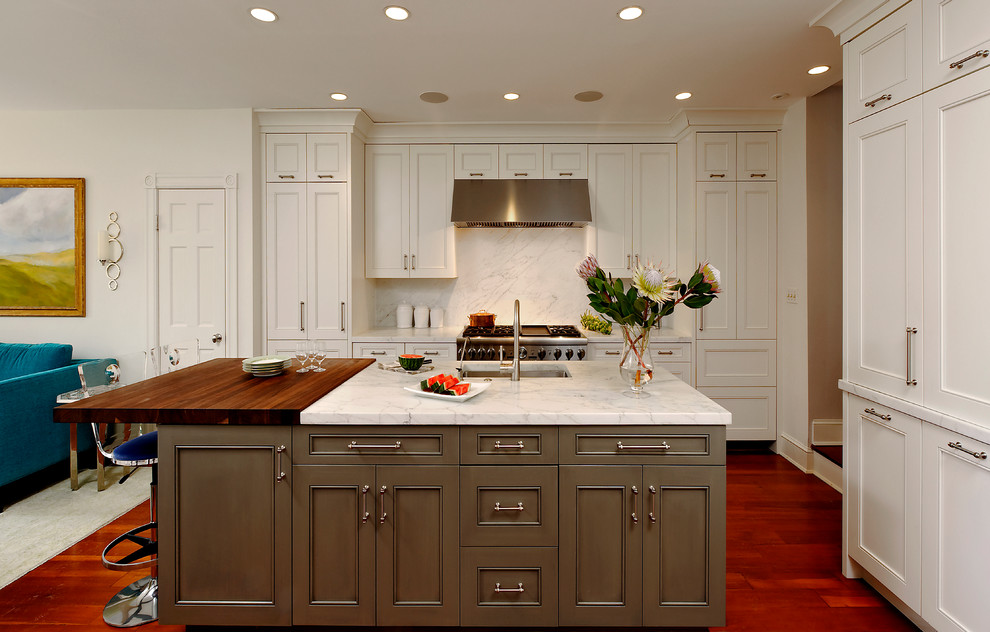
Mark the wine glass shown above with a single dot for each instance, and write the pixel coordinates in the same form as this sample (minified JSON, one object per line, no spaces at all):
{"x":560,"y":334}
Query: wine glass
{"x":302,"y":352}
{"x":320,"y":354}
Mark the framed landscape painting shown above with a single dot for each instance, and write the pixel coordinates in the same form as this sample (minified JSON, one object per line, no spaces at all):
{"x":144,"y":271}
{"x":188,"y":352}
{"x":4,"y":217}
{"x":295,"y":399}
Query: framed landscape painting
{"x":42,"y":243}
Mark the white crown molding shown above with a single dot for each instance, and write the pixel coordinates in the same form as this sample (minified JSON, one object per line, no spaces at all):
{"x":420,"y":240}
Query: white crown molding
{"x":843,"y":15}
{"x":312,"y":120}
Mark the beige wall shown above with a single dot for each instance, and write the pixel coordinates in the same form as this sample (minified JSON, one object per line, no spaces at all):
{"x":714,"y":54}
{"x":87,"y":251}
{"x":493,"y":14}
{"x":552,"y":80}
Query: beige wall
{"x":824,"y":150}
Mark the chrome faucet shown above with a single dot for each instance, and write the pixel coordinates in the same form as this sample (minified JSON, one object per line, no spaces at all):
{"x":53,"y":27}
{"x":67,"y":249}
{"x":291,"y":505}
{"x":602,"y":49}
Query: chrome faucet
{"x":515,"y":342}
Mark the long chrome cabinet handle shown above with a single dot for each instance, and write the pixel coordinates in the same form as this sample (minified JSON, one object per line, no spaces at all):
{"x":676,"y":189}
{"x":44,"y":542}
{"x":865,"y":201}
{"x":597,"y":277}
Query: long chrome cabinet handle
{"x":364,"y":503}
{"x":979,"y":53}
{"x":281,"y":473}
{"x":909,"y":379}
{"x":381,"y":492}
{"x":635,"y":493}
{"x":405,"y":262}
{"x":663,"y":446}
{"x":343,"y":315}
{"x":414,"y":262}
{"x":653,"y":504}
{"x":354,"y":445}
{"x":882,"y":97}
{"x":498,"y":588}
{"x":302,"y":310}
{"x":959,"y":446}
{"x":499,"y":507}
{"x":870,"y":411}
{"x":515,"y":446}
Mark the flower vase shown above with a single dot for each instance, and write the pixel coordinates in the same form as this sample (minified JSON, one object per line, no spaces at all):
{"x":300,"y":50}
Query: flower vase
{"x":635,"y":363}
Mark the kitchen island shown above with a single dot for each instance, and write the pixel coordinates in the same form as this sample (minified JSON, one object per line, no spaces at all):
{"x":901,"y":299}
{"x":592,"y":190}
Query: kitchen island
{"x":544,"y":502}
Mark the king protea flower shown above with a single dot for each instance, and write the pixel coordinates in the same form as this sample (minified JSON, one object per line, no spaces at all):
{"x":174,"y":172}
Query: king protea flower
{"x":653,"y":283}
{"x":711,"y":276}
{"x":588,"y":268}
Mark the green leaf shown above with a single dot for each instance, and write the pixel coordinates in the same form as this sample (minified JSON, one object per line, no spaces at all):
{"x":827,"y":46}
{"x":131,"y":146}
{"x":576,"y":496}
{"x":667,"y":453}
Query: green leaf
{"x":695,"y":302}
{"x":695,"y":279}
{"x":619,"y":289}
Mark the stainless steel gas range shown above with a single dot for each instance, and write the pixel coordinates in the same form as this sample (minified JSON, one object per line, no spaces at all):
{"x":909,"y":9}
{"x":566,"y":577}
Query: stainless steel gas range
{"x":536,"y":342}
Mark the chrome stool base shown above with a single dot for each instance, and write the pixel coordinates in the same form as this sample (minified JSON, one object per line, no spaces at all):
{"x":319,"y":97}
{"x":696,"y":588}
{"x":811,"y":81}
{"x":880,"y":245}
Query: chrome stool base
{"x":135,"y":605}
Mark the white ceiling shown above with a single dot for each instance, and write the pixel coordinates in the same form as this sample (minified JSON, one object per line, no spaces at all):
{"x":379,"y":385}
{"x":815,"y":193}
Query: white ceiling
{"x":123,"y":54}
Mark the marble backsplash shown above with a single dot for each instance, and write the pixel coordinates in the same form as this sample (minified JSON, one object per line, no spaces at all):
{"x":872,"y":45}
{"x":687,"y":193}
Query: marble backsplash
{"x":495,"y":266}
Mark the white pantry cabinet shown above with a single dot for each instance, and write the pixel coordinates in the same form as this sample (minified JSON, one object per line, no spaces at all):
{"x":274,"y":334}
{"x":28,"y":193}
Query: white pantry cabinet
{"x":884,"y":299}
{"x":408,"y":194}
{"x":956,"y":39}
{"x":306,"y":157}
{"x":884,"y":496}
{"x":306,"y":260}
{"x":633,"y":192}
{"x":956,"y":521}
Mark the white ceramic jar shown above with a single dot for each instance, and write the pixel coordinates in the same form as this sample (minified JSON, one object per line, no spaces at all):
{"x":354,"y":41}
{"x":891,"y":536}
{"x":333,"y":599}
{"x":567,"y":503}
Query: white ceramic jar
{"x":436,"y":317}
{"x":422,"y":316}
{"x":404,"y":316}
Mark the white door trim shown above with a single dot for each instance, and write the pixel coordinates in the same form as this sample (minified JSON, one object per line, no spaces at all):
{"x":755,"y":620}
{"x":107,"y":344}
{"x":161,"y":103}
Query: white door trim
{"x":155,"y":182}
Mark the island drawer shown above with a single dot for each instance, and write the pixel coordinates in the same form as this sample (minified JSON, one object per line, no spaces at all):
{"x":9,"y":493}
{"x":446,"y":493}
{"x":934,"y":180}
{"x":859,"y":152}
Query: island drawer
{"x":508,"y":506}
{"x":313,"y":445}
{"x":509,"y":586}
{"x":494,"y":446}
{"x":674,"y":445}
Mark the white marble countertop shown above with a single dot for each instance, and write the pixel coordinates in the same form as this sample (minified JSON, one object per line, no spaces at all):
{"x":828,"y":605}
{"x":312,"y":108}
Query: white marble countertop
{"x":591,"y":396}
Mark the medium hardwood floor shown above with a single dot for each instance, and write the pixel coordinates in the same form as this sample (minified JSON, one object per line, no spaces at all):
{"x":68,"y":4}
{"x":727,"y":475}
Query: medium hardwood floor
{"x":783,"y":565}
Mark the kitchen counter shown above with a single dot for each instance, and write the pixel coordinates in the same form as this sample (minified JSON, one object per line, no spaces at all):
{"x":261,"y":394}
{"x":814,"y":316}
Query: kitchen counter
{"x":593,"y":395}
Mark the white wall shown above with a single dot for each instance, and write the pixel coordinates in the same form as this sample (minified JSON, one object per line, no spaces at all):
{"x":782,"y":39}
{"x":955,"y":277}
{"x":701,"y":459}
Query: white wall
{"x":113,"y":151}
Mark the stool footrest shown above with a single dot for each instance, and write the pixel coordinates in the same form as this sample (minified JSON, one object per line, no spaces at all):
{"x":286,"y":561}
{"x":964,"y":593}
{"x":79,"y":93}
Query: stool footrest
{"x":147,"y":547}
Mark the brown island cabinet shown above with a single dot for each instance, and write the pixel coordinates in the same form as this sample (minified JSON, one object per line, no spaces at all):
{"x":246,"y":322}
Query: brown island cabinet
{"x":404,"y":511}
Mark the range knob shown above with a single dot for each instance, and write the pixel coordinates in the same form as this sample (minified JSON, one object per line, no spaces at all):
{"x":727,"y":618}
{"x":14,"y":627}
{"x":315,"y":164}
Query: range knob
{"x":580,"y":354}
{"x":490,"y":353}
{"x":542,"y":353}
{"x":471,"y":352}
{"x":570,"y":354}
{"x":556,"y":354}
{"x":523,"y":353}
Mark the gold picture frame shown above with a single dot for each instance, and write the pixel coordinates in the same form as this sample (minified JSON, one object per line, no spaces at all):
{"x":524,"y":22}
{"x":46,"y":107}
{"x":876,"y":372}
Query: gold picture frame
{"x":42,"y":246}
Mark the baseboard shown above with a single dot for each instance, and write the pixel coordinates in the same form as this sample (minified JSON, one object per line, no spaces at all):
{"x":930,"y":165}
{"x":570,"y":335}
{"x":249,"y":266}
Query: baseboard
{"x":826,"y":432}
{"x":827,"y":471}
{"x":897,"y":603}
{"x":799,"y":455}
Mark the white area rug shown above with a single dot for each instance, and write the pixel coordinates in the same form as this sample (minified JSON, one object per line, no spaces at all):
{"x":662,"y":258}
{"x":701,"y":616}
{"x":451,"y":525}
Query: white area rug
{"x":41,"y":526}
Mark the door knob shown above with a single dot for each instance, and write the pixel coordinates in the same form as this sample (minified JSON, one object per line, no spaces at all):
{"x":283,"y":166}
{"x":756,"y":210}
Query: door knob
{"x":217,"y":338}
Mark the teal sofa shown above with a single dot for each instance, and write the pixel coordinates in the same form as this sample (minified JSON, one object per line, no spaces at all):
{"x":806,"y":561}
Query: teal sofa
{"x":31,"y":377}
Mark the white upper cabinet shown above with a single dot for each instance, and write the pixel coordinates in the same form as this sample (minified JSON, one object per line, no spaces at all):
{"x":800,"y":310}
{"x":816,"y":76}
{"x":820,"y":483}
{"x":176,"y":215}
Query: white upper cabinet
{"x":716,"y":157}
{"x":956,"y":39}
{"x":408,"y":197}
{"x":716,"y":235}
{"x":884,"y":63}
{"x":520,"y":162}
{"x":565,"y":161}
{"x":326,"y":157}
{"x":475,"y":162}
{"x":285,"y":157}
{"x":883,"y":295}
{"x":610,"y":184}
{"x":756,"y":156}
{"x":956,"y":256}
{"x":654,"y":199}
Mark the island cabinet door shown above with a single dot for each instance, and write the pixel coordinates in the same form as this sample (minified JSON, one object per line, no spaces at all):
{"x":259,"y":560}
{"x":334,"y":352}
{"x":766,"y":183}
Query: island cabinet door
{"x":417,"y":545}
{"x":601,"y":545}
{"x":683,"y":546}
{"x":333,"y":545}
{"x":224,"y":536}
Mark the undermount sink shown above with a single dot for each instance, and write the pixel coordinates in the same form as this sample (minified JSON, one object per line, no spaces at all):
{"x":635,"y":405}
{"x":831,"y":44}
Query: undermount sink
{"x":526,"y":370}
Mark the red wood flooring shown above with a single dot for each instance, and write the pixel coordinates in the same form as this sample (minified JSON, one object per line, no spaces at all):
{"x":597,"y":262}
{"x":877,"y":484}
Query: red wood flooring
{"x":783,"y":565}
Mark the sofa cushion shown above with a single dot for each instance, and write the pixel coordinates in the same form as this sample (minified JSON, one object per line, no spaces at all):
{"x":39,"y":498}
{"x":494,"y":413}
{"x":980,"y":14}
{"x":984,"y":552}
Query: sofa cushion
{"x":23,"y":359}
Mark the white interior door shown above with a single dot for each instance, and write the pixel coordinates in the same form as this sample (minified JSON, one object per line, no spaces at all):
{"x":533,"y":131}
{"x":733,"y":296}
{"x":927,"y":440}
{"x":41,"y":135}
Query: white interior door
{"x":192,"y":288}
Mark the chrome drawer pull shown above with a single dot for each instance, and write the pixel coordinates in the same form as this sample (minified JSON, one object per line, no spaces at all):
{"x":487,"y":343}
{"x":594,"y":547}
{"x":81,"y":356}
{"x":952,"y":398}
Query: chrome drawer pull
{"x":882,"y":97}
{"x":515,"y":446}
{"x":612,"y":352}
{"x":381,"y":519}
{"x":664,"y":352}
{"x":635,"y":492}
{"x":498,"y":588}
{"x":378,"y":352}
{"x":364,"y":503}
{"x":653,"y":504}
{"x":909,"y":378}
{"x":663,"y":446}
{"x":431,"y":353}
{"x":870,"y":411}
{"x":353,"y":445}
{"x":979,"y":53}
{"x":281,"y":473}
{"x":518,"y":507}
{"x":959,"y":446}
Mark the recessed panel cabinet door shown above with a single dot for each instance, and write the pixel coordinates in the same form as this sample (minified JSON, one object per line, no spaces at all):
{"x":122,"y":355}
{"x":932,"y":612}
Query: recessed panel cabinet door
{"x":717,"y":244}
{"x":601,"y":545}
{"x":654,"y":231}
{"x":327,"y":252}
{"x":610,"y":184}
{"x":956,"y":39}
{"x":431,"y":192}
{"x":387,"y":211}
{"x":756,"y":260}
{"x":418,"y":545}
{"x":286,"y":261}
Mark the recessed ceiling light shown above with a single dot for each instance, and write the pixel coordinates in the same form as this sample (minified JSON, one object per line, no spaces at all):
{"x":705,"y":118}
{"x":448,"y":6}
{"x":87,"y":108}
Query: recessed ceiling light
{"x":397,"y":13}
{"x":510,"y":96}
{"x":263,"y":14}
{"x":683,"y":95}
{"x":780,"y":95}
{"x":338,"y":96}
{"x":630,"y":13}
{"x":588,"y":96}
{"x":433,"y":97}
{"x":817,"y":70}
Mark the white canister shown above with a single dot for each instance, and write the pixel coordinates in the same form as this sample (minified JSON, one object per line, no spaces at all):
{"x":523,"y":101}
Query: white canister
{"x":422,"y":316}
{"x":436,"y":317}
{"x":404,"y":316}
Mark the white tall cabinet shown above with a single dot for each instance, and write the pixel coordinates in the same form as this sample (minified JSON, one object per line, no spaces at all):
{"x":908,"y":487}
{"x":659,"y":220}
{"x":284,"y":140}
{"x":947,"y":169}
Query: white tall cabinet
{"x":736,"y":204}
{"x":917,"y":423}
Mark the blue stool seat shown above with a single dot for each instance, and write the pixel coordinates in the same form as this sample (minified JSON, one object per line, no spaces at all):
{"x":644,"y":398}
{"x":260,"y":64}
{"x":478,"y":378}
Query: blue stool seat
{"x":142,"y":450}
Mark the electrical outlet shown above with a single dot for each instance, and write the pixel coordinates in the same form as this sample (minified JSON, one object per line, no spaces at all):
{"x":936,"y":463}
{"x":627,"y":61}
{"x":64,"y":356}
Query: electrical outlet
{"x":792,"y":295}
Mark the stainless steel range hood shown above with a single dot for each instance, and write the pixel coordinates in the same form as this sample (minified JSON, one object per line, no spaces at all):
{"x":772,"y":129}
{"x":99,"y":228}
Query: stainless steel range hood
{"x":520,"y":203}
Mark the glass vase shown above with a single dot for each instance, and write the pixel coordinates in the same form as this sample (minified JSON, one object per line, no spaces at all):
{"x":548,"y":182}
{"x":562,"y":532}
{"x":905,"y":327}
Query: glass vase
{"x":635,"y":363}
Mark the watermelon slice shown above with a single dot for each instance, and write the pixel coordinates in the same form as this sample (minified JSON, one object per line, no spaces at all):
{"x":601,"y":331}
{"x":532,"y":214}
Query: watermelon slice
{"x":461,"y":388}
{"x":449,"y":382}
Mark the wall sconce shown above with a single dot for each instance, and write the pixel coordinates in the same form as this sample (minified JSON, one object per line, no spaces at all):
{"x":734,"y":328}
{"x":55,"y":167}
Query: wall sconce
{"x":111,"y":250}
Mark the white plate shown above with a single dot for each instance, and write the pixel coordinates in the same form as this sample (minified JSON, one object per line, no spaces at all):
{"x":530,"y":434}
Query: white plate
{"x":264,"y":362}
{"x":476,"y":389}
